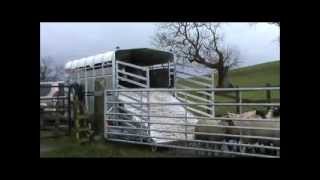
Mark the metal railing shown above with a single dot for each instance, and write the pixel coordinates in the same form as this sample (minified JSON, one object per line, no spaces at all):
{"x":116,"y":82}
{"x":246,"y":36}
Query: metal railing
{"x":170,"y":122}
{"x":122,"y":74}
{"x":187,"y":80}
{"x":142,"y":79}
{"x":55,"y":111}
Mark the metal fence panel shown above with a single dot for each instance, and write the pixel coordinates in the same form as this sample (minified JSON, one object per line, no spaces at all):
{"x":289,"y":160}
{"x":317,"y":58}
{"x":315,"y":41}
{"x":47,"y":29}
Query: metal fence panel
{"x":168,"y":122}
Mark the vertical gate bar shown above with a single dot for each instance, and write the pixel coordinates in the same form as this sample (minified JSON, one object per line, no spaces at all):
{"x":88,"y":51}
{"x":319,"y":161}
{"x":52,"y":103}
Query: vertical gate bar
{"x":148,"y":77}
{"x":169,"y":83}
{"x":86,"y":87}
{"x":174,"y":77}
{"x":114,"y":107}
{"x":93,"y":90}
{"x":240,"y":101}
{"x":116,"y":76}
{"x":212,"y":94}
{"x":116,"y":82}
{"x":148,"y":100}
{"x":141,"y":119}
{"x":94,"y":71}
{"x":114,"y":73}
{"x":185,"y":122}
{"x":153,"y":148}
{"x":105,"y":123}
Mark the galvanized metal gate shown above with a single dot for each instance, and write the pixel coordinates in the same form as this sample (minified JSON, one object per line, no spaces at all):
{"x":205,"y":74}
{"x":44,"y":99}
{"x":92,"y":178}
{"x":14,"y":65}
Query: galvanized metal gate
{"x":170,"y":123}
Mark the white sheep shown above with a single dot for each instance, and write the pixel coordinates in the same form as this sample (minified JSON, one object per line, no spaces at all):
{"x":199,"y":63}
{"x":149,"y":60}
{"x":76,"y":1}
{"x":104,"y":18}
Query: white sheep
{"x":256,"y":132}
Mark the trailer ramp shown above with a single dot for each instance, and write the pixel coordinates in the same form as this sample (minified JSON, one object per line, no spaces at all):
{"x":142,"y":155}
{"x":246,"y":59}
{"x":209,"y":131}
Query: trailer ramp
{"x":160,"y":115}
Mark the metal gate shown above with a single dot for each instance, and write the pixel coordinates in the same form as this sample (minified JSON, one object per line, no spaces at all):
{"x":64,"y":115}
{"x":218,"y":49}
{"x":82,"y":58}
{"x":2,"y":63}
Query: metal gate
{"x":55,"y":107}
{"x":161,"y":118}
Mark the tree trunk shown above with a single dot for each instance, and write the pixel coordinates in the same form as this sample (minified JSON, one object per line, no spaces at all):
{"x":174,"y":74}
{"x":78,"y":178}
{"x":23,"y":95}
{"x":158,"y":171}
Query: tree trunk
{"x":221,"y":75}
{"x":220,"y":78}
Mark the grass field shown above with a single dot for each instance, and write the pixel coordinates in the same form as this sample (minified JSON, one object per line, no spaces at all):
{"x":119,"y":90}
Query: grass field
{"x":68,"y":147}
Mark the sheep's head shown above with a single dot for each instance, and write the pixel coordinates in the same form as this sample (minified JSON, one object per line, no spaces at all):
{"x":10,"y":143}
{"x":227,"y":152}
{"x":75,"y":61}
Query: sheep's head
{"x":273,"y":112}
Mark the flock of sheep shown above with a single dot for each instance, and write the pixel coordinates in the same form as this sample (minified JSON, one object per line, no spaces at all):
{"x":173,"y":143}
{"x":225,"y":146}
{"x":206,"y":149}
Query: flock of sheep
{"x":260,"y":133}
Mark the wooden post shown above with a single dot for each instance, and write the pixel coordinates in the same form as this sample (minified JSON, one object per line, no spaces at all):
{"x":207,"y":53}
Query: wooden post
{"x":209,"y":98}
{"x":238,"y":100}
{"x":268,"y":93}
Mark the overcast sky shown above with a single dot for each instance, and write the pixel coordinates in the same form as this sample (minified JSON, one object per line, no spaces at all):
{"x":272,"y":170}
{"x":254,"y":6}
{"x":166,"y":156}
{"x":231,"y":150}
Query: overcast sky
{"x":67,"y":41}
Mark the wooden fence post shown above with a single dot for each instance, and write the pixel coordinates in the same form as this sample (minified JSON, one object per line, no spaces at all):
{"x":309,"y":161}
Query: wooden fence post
{"x":268,"y":93}
{"x":238,"y":100}
{"x":209,"y":110}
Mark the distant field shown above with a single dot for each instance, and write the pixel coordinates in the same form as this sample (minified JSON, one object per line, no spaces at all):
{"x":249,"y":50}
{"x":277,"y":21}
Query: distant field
{"x":251,"y":76}
{"x":257,"y":75}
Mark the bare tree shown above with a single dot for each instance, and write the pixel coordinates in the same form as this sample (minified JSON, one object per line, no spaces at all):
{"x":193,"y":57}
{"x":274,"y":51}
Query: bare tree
{"x":198,"y":42}
{"x":49,"y":71}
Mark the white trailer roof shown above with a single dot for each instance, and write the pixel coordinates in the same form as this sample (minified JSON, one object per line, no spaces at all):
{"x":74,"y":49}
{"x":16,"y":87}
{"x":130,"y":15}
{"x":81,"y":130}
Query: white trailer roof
{"x":144,"y":56}
{"x":90,"y":61}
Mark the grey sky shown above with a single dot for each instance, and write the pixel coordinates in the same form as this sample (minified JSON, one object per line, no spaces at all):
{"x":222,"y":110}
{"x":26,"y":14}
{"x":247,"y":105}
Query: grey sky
{"x":67,"y":41}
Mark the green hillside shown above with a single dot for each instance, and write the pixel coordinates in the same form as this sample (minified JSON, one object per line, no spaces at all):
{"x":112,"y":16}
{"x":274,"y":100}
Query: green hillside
{"x":257,"y":75}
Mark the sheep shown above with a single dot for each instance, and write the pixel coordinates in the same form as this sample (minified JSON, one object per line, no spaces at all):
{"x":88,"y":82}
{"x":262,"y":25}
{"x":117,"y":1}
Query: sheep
{"x":256,"y":132}
{"x":211,"y":129}
{"x":235,"y":131}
